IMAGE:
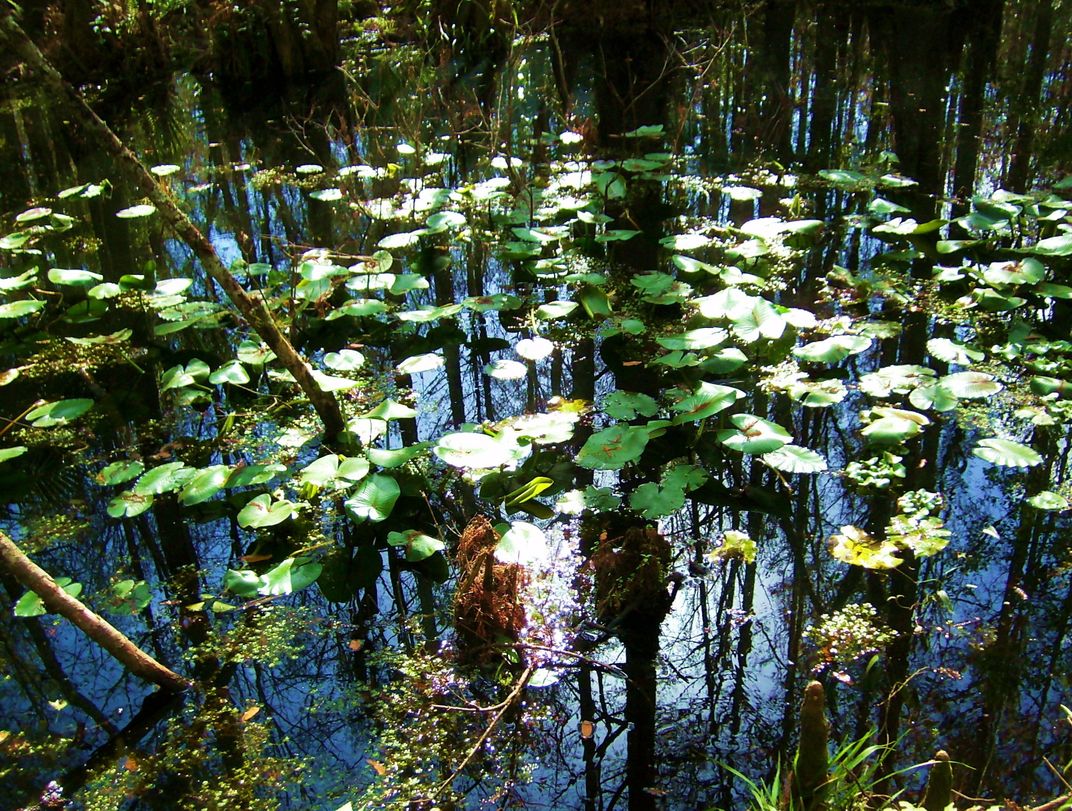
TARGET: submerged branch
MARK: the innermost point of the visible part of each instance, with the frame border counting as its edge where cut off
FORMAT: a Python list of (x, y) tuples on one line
[(251, 307), (503, 706), (56, 600)]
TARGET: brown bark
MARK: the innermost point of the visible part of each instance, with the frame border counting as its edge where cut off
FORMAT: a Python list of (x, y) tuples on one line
[(56, 600), (251, 307)]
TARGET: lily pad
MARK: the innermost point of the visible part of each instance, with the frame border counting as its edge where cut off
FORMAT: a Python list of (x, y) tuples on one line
[(1007, 453)]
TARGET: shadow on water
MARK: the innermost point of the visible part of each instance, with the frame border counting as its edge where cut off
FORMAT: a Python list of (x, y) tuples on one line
[(671, 628)]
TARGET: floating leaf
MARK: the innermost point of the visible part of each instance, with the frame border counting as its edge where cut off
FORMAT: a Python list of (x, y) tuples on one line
[(73, 276), (205, 484), (1048, 500), (420, 363), (707, 399), (401, 240), (248, 475), (320, 472), (129, 504), (31, 605), (555, 309), (969, 385), (535, 348), (628, 405), (345, 360), (685, 242), (505, 369), (954, 352), (753, 435), (613, 448), (293, 574), (891, 426), (332, 382), (373, 498), (242, 583), (472, 450), (231, 372), (418, 545), (136, 212), (262, 511), (1006, 453), (60, 412), (857, 548), (326, 195), (703, 338), (17, 309), (795, 459), (896, 379), (834, 349), (524, 544), (12, 453)]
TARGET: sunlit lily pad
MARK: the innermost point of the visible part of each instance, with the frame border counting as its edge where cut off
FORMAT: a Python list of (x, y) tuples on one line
[(373, 498), (834, 349), (420, 363), (345, 360), (857, 548), (970, 385), (524, 544), (628, 405), (17, 309), (136, 212), (12, 453), (795, 459), (1007, 453), (753, 435), (472, 450), (503, 369), (535, 348), (262, 511), (1048, 500)]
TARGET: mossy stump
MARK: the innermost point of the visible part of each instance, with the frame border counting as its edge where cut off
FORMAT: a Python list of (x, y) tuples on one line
[(487, 606)]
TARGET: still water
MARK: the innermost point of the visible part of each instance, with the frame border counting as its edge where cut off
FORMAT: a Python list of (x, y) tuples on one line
[(686, 273)]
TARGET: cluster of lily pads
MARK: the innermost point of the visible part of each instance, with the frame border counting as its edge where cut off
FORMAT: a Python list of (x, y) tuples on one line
[(709, 321)]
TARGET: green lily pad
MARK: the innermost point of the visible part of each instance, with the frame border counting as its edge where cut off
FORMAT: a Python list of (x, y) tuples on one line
[(31, 605), (524, 544), (753, 435), (418, 545), (858, 548), (60, 412), (262, 511), (373, 499), (205, 484), (1048, 500), (613, 448), (1006, 453)]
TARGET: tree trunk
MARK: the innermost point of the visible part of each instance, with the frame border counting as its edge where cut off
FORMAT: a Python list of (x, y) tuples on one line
[(252, 308), (58, 601), (1025, 109)]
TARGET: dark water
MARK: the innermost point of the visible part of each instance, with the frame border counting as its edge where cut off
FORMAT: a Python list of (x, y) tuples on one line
[(638, 706)]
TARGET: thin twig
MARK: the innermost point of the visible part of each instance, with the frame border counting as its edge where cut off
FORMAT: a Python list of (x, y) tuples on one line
[(505, 705)]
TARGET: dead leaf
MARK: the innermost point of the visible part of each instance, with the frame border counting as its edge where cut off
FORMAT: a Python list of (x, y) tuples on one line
[(355, 645), (130, 764), (380, 769), (255, 558), (250, 713), (588, 729)]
